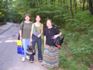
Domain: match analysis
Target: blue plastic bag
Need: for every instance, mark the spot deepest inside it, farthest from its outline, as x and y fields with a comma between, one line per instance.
x=20, y=50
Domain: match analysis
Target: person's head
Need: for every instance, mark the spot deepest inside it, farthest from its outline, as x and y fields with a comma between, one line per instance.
x=38, y=18
x=49, y=23
x=27, y=17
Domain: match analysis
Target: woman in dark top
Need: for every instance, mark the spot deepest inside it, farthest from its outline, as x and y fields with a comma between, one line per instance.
x=50, y=51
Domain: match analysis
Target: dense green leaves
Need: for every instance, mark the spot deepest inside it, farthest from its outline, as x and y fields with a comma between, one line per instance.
x=33, y=7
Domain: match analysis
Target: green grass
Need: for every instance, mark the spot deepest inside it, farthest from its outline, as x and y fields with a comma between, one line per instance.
x=77, y=51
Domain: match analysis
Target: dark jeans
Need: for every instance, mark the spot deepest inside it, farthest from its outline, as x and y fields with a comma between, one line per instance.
x=39, y=45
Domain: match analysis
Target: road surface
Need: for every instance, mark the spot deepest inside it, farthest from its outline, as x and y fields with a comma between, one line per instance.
x=9, y=59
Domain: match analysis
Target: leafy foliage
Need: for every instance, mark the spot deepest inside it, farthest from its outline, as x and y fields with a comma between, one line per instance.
x=78, y=37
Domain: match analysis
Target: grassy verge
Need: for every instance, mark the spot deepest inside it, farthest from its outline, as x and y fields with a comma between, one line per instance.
x=77, y=51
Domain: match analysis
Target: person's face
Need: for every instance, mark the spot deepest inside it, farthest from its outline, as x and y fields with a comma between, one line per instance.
x=49, y=23
x=27, y=18
x=38, y=18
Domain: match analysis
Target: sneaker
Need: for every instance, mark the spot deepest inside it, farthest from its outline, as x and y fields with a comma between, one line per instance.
x=23, y=59
x=42, y=63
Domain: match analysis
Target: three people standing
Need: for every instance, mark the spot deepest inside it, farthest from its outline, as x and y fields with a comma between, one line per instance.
x=31, y=33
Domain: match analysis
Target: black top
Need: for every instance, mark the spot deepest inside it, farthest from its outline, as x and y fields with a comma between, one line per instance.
x=49, y=33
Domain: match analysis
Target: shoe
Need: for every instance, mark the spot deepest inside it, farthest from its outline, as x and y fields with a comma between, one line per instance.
x=40, y=60
x=32, y=61
x=27, y=57
x=23, y=59
x=42, y=63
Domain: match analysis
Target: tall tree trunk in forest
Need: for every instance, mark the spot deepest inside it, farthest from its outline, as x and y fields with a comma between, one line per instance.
x=91, y=6
x=37, y=3
x=59, y=2
x=53, y=2
x=87, y=5
x=56, y=2
x=80, y=4
x=71, y=9
x=83, y=8
x=64, y=1
x=7, y=9
x=75, y=4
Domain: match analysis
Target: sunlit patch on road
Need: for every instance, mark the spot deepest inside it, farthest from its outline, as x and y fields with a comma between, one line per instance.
x=14, y=68
x=10, y=41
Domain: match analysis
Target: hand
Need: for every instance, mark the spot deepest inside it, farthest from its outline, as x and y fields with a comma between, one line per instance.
x=39, y=36
x=44, y=44
x=47, y=46
x=30, y=40
x=55, y=36
x=30, y=44
x=21, y=38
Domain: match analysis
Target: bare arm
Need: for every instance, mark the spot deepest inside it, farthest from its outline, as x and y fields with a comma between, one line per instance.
x=31, y=33
x=57, y=35
x=44, y=41
x=41, y=29
x=20, y=31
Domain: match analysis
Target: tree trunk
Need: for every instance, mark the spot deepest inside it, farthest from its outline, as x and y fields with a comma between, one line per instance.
x=64, y=1
x=83, y=8
x=80, y=1
x=91, y=6
x=75, y=4
x=71, y=9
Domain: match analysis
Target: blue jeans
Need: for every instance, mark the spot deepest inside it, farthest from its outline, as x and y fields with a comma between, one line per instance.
x=25, y=42
x=39, y=45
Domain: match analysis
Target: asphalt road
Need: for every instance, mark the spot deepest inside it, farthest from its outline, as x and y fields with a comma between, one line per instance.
x=9, y=59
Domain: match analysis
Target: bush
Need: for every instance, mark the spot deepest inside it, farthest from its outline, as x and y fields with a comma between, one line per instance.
x=77, y=51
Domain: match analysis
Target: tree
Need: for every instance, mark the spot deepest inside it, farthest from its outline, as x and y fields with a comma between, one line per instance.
x=84, y=4
x=3, y=10
x=91, y=6
x=75, y=4
x=71, y=8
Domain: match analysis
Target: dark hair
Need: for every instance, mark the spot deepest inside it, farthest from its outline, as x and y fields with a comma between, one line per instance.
x=37, y=14
x=27, y=15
